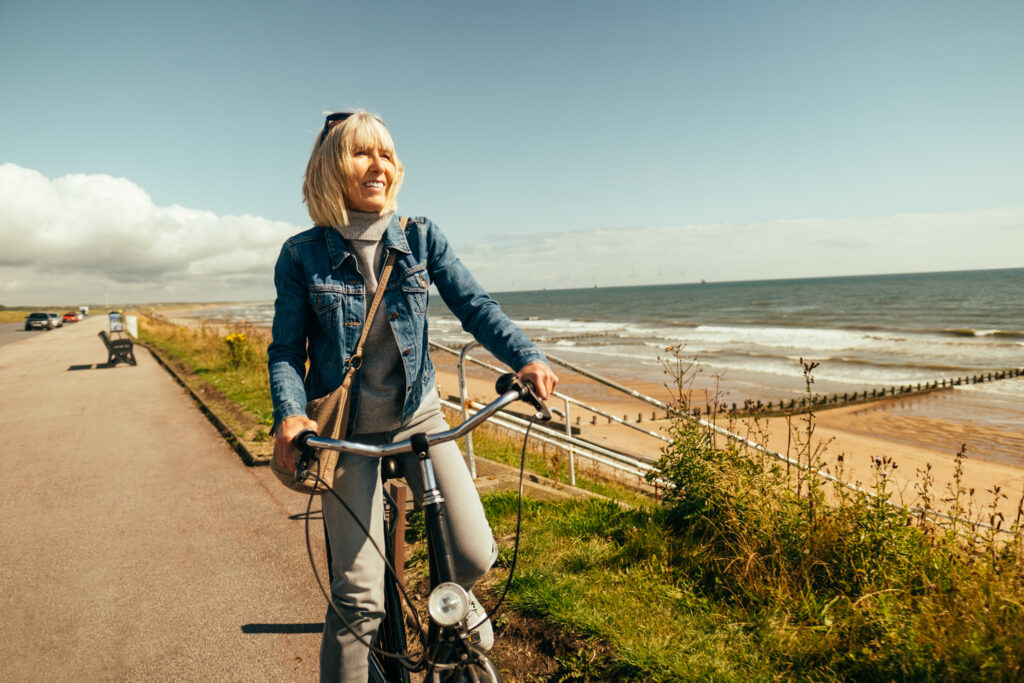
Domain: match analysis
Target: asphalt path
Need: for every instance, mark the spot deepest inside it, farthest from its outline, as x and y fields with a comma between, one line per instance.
x=15, y=332
x=135, y=544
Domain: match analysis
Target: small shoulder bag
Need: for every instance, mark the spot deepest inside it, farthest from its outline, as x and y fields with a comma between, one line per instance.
x=331, y=412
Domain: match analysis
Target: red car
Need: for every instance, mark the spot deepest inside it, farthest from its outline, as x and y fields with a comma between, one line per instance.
x=70, y=317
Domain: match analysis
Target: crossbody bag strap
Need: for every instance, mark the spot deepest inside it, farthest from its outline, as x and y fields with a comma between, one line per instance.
x=382, y=284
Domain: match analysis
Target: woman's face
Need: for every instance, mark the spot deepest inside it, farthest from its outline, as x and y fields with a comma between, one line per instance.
x=372, y=172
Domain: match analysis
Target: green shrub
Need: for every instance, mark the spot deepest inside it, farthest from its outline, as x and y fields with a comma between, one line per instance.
x=848, y=586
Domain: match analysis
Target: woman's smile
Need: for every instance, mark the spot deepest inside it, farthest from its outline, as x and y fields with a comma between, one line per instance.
x=373, y=172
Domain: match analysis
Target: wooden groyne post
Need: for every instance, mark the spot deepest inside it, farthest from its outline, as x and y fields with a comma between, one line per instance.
x=823, y=401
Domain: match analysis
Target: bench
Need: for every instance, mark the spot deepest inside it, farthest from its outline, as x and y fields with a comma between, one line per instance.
x=118, y=350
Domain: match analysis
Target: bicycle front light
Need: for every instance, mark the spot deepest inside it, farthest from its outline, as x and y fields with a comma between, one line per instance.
x=448, y=604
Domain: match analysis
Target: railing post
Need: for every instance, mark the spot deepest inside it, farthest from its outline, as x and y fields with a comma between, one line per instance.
x=572, y=450
x=464, y=400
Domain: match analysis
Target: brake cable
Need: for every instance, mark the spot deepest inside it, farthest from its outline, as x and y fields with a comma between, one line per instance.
x=496, y=610
x=404, y=658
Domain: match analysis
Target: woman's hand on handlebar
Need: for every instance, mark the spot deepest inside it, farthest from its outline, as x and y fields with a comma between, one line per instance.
x=285, y=452
x=541, y=377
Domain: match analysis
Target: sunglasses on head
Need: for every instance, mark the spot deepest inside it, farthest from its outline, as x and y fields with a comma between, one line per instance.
x=334, y=119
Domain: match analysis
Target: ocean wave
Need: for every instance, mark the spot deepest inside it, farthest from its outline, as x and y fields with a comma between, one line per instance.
x=903, y=363
x=861, y=354
x=567, y=326
x=258, y=314
x=895, y=352
x=968, y=332
x=858, y=373
x=906, y=356
x=856, y=377
x=796, y=337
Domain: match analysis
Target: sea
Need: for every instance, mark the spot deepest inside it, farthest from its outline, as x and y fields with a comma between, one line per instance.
x=749, y=338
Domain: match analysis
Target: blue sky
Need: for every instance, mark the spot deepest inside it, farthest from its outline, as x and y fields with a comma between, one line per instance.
x=571, y=143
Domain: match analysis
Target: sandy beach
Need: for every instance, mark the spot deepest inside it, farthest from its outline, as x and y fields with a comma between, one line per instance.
x=861, y=434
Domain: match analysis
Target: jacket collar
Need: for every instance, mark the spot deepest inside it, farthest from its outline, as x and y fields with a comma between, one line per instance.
x=394, y=238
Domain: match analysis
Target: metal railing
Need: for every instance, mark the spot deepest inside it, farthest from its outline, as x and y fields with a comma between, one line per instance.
x=784, y=458
x=603, y=456
x=637, y=466
x=564, y=440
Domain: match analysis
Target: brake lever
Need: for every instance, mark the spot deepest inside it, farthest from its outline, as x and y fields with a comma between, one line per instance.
x=543, y=414
x=510, y=382
x=306, y=454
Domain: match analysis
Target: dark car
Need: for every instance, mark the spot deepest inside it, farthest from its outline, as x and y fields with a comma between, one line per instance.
x=70, y=317
x=38, y=321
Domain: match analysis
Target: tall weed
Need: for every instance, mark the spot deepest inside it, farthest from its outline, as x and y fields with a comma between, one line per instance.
x=850, y=584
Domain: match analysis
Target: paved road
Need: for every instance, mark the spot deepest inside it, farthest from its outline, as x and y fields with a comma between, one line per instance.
x=13, y=332
x=134, y=544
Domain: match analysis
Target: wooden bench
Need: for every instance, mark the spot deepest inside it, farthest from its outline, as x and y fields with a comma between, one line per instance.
x=118, y=350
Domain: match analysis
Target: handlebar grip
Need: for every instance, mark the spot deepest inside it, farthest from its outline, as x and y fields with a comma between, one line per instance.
x=301, y=442
x=302, y=439
x=510, y=382
x=507, y=382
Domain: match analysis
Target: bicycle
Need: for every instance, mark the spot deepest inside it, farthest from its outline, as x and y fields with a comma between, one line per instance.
x=448, y=652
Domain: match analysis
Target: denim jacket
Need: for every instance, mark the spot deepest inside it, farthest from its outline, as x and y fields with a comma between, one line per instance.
x=320, y=300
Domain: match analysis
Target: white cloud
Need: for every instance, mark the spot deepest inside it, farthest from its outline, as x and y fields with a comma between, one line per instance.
x=752, y=251
x=95, y=237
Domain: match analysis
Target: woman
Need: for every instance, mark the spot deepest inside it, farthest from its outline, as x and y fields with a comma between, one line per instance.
x=325, y=279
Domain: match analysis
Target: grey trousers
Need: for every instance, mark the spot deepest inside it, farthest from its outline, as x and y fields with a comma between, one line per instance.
x=358, y=569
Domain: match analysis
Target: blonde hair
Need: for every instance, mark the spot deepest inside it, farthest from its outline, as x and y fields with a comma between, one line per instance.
x=324, y=189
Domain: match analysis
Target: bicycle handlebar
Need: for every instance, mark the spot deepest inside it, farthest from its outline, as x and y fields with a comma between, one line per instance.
x=509, y=387
x=528, y=393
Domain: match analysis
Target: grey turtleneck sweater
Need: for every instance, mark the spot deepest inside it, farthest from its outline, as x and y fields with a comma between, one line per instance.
x=381, y=379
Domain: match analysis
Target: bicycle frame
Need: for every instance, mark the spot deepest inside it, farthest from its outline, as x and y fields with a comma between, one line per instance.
x=448, y=647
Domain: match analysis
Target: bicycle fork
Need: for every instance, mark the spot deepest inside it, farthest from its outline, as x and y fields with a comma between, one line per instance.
x=443, y=636
x=442, y=564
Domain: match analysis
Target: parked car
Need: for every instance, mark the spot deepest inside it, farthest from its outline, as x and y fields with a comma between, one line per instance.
x=57, y=322
x=36, y=321
x=70, y=317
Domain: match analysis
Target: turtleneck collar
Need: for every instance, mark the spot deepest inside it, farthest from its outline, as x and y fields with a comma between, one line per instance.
x=365, y=226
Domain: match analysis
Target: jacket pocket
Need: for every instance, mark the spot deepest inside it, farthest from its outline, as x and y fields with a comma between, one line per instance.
x=414, y=286
x=327, y=302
